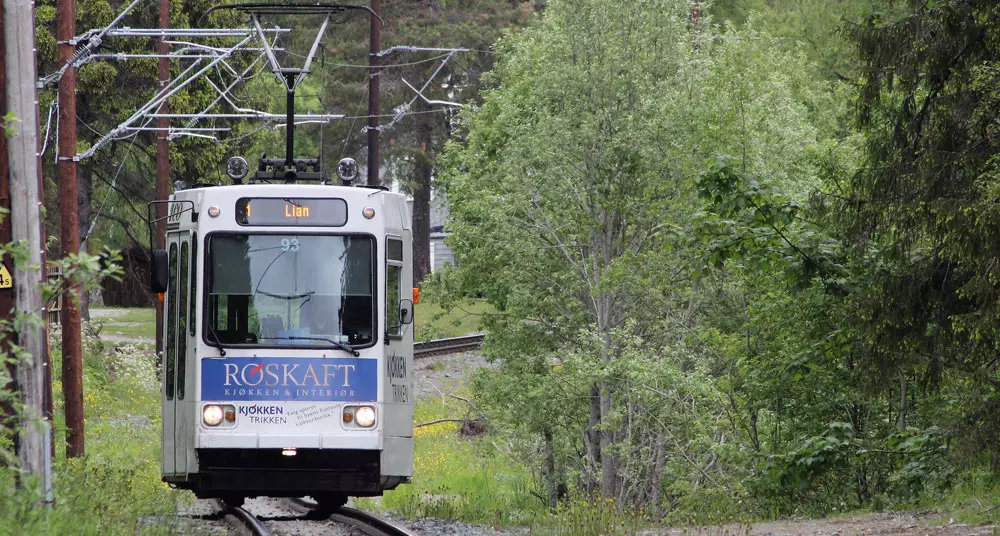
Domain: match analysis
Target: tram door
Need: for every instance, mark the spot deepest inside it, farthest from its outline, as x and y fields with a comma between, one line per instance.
x=176, y=309
x=398, y=412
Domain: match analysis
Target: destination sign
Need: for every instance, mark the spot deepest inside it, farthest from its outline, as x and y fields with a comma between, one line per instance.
x=284, y=211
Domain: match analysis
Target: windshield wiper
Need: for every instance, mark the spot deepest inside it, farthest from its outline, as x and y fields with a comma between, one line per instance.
x=287, y=296
x=337, y=344
x=218, y=341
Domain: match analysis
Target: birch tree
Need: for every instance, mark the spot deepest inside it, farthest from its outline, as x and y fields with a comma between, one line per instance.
x=563, y=186
x=572, y=197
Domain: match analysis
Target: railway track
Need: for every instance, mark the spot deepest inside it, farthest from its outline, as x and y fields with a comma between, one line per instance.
x=362, y=520
x=447, y=346
x=247, y=523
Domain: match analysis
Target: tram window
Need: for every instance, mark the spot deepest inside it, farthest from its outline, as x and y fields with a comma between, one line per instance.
x=170, y=340
x=394, y=250
x=194, y=283
x=287, y=289
x=393, y=286
x=182, y=320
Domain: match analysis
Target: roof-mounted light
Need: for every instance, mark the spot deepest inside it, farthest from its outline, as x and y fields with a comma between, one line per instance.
x=347, y=171
x=237, y=168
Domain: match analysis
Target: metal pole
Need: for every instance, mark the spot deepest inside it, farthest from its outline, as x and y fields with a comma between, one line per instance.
x=374, y=97
x=72, y=347
x=26, y=226
x=162, y=168
x=290, y=126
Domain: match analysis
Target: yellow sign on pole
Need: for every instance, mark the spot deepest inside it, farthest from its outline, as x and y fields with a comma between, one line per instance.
x=6, y=281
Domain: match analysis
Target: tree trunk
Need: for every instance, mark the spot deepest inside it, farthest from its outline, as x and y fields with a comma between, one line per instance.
x=593, y=436
x=84, y=184
x=421, y=188
x=551, y=483
x=655, y=484
x=901, y=418
x=609, y=462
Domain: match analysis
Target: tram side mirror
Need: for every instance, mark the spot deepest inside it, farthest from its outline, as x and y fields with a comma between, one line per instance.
x=405, y=312
x=158, y=271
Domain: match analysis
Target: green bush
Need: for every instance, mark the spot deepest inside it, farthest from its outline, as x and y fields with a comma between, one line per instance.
x=116, y=487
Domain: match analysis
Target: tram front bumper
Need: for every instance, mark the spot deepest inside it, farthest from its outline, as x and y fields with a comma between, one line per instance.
x=255, y=440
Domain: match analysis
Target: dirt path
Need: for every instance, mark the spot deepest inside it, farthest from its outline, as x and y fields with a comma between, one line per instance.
x=108, y=317
x=901, y=524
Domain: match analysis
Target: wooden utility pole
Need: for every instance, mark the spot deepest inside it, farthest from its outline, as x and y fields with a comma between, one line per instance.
x=374, y=97
x=6, y=277
x=34, y=439
x=162, y=167
x=72, y=348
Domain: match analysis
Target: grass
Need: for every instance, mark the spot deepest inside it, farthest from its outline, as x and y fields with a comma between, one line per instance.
x=116, y=488
x=132, y=314
x=147, y=331
x=135, y=323
x=470, y=480
x=480, y=481
x=433, y=322
x=974, y=500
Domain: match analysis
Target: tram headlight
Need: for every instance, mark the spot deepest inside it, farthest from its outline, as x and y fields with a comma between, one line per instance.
x=365, y=416
x=212, y=415
x=237, y=167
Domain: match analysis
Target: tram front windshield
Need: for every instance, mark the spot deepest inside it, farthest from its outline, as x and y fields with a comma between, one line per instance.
x=290, y=289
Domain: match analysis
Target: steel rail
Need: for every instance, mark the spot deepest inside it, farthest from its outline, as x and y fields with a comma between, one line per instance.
x=238, y=516
x=361, y=520
x=447, y=346
x=352, y=517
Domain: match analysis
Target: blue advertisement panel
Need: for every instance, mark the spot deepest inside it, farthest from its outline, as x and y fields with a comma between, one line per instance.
x=290, y=379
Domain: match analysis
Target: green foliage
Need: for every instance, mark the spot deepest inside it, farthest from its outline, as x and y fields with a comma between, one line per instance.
x=717, y=299
x=921, y=214
x=706, y=289
x=116, y=488
x=471, y=479
x=86, y=270
x=816, y=24
x=435, y=320
x=9, y=124
x=575, y=206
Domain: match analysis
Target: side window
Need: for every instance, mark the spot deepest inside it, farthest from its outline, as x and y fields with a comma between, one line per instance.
x=170, y=339
x=393, y=286
x=194, y=283
x=182, y=319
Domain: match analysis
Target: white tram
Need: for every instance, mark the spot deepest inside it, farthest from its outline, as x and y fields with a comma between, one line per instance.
x=288, y=341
